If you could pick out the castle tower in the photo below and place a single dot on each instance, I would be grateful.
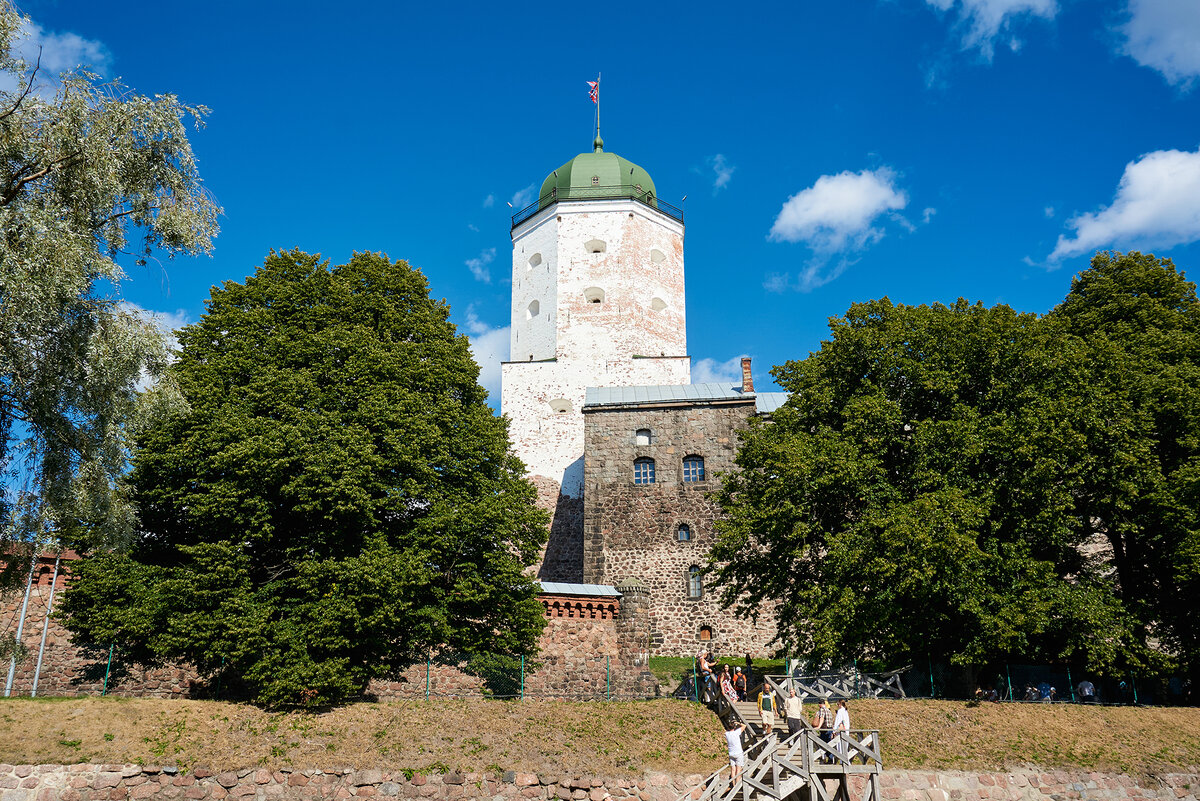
(597, 300)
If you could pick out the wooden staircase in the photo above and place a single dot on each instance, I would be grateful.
(802, 767)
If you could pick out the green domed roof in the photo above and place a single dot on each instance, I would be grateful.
(595, 175)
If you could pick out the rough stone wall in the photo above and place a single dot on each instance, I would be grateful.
(91, 782)
(583, 655)
(65, 669)
(631, 530)
(562, 557)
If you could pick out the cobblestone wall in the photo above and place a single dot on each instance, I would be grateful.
(585, 652)
(115, 782)
(632, 530)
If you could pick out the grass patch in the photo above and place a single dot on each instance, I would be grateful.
(607, 739)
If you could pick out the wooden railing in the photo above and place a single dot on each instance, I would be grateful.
(777, 770)
(834, 686)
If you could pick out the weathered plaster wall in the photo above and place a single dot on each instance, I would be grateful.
(631, 530)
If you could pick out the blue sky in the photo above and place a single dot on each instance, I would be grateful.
(830, 152)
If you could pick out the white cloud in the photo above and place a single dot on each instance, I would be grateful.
(479, 265)
(1049, 212)
(838, 211)
(983, 22)
(473, 227)
(722, 171)
(706, 371)
(1157, 205)
(489, 201)
(1165, 36)
(59, 52)
(836, 216)
(927, 215)
(523, 197)
(489, 347)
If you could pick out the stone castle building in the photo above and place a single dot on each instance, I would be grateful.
(620, 444)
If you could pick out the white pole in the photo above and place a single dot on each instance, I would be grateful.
(37, 672)
(12, 663)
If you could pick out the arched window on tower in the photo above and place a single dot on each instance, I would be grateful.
(593, 294)
(641, 436)
(695, 584)
(532, 310)
(693, 469)
(595, 246)
(705, 633)
(643, 471)
(683, 533)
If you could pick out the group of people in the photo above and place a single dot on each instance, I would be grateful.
(733, 684)
(827, 724)
(1043, 693)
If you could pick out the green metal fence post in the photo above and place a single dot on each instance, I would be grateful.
(522, 677)
(108, 669)
(608, 678)
(1071, 684)
(1133, 686)
(695, 686)
(1008, 672)
(427, 660)
(932, 694)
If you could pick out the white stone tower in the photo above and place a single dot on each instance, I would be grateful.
(597, 300)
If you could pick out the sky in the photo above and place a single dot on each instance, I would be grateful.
(830, 153)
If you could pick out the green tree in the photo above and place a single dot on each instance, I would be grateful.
(916, 495)
(88, 171)
(338, 502)
(1139, 495)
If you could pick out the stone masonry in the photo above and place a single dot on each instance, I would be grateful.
(632, 530)
(590, 648)
(91, 782)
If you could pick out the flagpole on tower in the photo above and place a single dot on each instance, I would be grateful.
(594, 96)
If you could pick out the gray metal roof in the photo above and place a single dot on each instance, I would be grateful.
(767, 402)
(560, 588)
(619, 396)
(764, 402)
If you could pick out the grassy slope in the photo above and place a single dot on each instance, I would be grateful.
(618, 739)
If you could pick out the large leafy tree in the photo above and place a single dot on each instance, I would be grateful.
(918, 494)
(88, 171)
(1139, 492)
(338, 502)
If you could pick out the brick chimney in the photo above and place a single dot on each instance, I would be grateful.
(747, 378)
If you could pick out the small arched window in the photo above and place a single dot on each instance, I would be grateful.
(695, 585)
(534, 261)
(595, 246)
(533, 310)
(643, 471)
(658, 304)
(705, 633)
(641, 436)
(593, 294)
(683, 533)
(560, 405)
(657, 256)
(693, 469)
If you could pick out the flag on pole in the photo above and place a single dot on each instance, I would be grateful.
(594, 91)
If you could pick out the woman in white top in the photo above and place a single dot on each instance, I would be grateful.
(841, 726)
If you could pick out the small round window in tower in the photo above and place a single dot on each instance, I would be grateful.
(532, 310)
(560, 406)
(705, 633)
(657, 256)
(658, 304)
(534, 261)
(593, 294)
(595, 246)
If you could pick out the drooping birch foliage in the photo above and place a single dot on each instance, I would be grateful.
(91, 174)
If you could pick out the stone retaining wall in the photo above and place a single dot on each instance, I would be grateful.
(118, 782)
